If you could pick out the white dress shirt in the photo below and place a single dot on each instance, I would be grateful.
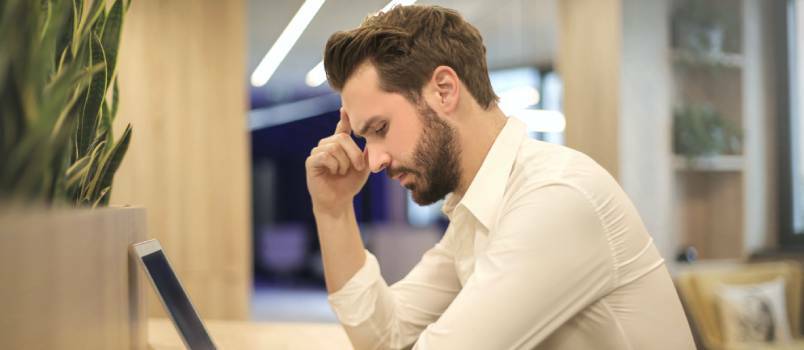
(544, 251)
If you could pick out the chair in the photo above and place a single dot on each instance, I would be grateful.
(699, 282)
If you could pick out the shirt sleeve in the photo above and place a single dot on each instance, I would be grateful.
(548, 259)
(378, 316)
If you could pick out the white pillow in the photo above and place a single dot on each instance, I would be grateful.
(751, 313)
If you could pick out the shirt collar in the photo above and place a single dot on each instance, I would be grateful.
(485, 192)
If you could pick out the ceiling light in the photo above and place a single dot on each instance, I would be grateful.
(316, 76)
(287, 39)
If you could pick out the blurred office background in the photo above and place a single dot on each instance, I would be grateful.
(693, 105)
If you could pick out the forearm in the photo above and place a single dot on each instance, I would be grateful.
(341, 245)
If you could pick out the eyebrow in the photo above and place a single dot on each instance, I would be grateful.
(373, 120)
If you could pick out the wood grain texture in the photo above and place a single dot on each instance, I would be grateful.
(183, 87)
(590, 37)
(162, 335)
(712, 213)
(67, 280)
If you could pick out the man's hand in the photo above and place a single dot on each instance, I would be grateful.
(336, 169)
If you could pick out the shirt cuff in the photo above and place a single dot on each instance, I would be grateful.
(354, 303)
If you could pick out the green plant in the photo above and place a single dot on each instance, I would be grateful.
(696, 23)
(699, 130)
(58, 99)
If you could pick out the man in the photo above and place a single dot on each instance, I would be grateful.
(544, 250)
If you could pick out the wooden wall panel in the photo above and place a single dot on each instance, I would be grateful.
(183, 87)
(589, 63)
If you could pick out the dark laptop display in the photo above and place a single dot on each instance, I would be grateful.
(176, 301)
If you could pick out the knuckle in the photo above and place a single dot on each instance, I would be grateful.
(331, 147)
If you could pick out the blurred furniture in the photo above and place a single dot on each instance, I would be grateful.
(282, 249)
(244, 335)
(399, 247)
(698, 285)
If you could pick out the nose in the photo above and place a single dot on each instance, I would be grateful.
(378, 159)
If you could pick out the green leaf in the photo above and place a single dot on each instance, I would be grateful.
(87, 20)
(47, 9)
(88, 182)
(102, 197)
(98, 24)
(112, 163)
(88, 124)
(77, 171)
(77, 23)
(57, 62)
(115, 98)
(95, 13)
(105, 129)
(111, 38)
(66, 34)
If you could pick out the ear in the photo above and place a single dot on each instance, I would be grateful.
(445, 90)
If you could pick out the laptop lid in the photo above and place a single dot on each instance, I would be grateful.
(172, 295)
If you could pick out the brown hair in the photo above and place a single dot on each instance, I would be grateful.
(405, 45)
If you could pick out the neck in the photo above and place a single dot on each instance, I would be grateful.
(478, 131)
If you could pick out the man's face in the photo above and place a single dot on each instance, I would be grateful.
(417, 147)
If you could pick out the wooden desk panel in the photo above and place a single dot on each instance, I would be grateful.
(162, 335)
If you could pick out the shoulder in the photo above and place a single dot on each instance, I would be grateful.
(540, 164)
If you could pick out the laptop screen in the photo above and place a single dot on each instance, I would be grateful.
(176, 301)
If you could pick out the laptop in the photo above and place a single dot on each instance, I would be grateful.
(172, 295)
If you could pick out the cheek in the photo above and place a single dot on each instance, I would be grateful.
(401, 148)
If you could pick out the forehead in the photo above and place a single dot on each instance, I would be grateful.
(362, 97)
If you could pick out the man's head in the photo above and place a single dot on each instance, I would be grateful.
(405, 76)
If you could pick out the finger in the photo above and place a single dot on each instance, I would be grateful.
(352, 151)
(324, 160)
(343, 125)
(337, 151)
(365, 157)
(321, 160)
(350, 147)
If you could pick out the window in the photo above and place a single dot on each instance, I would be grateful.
(790, 73)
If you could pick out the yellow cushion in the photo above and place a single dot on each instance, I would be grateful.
(698, 285)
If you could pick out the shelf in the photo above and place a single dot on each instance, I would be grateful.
(731, 60)
(724, 163)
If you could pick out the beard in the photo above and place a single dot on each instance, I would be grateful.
(435, 158)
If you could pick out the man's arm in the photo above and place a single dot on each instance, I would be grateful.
(376, 316)
(341, 246)
(336, 170)
(373, 314)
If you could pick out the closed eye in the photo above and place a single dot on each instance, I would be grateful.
(381, 131)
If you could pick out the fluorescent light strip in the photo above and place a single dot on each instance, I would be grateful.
(318, 76)
(393, 3)
(287, 39)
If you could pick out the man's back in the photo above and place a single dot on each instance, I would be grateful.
(641, 309)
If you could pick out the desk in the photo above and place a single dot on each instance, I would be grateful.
(245, 335)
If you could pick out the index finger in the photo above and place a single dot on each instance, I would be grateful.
(344, 125)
